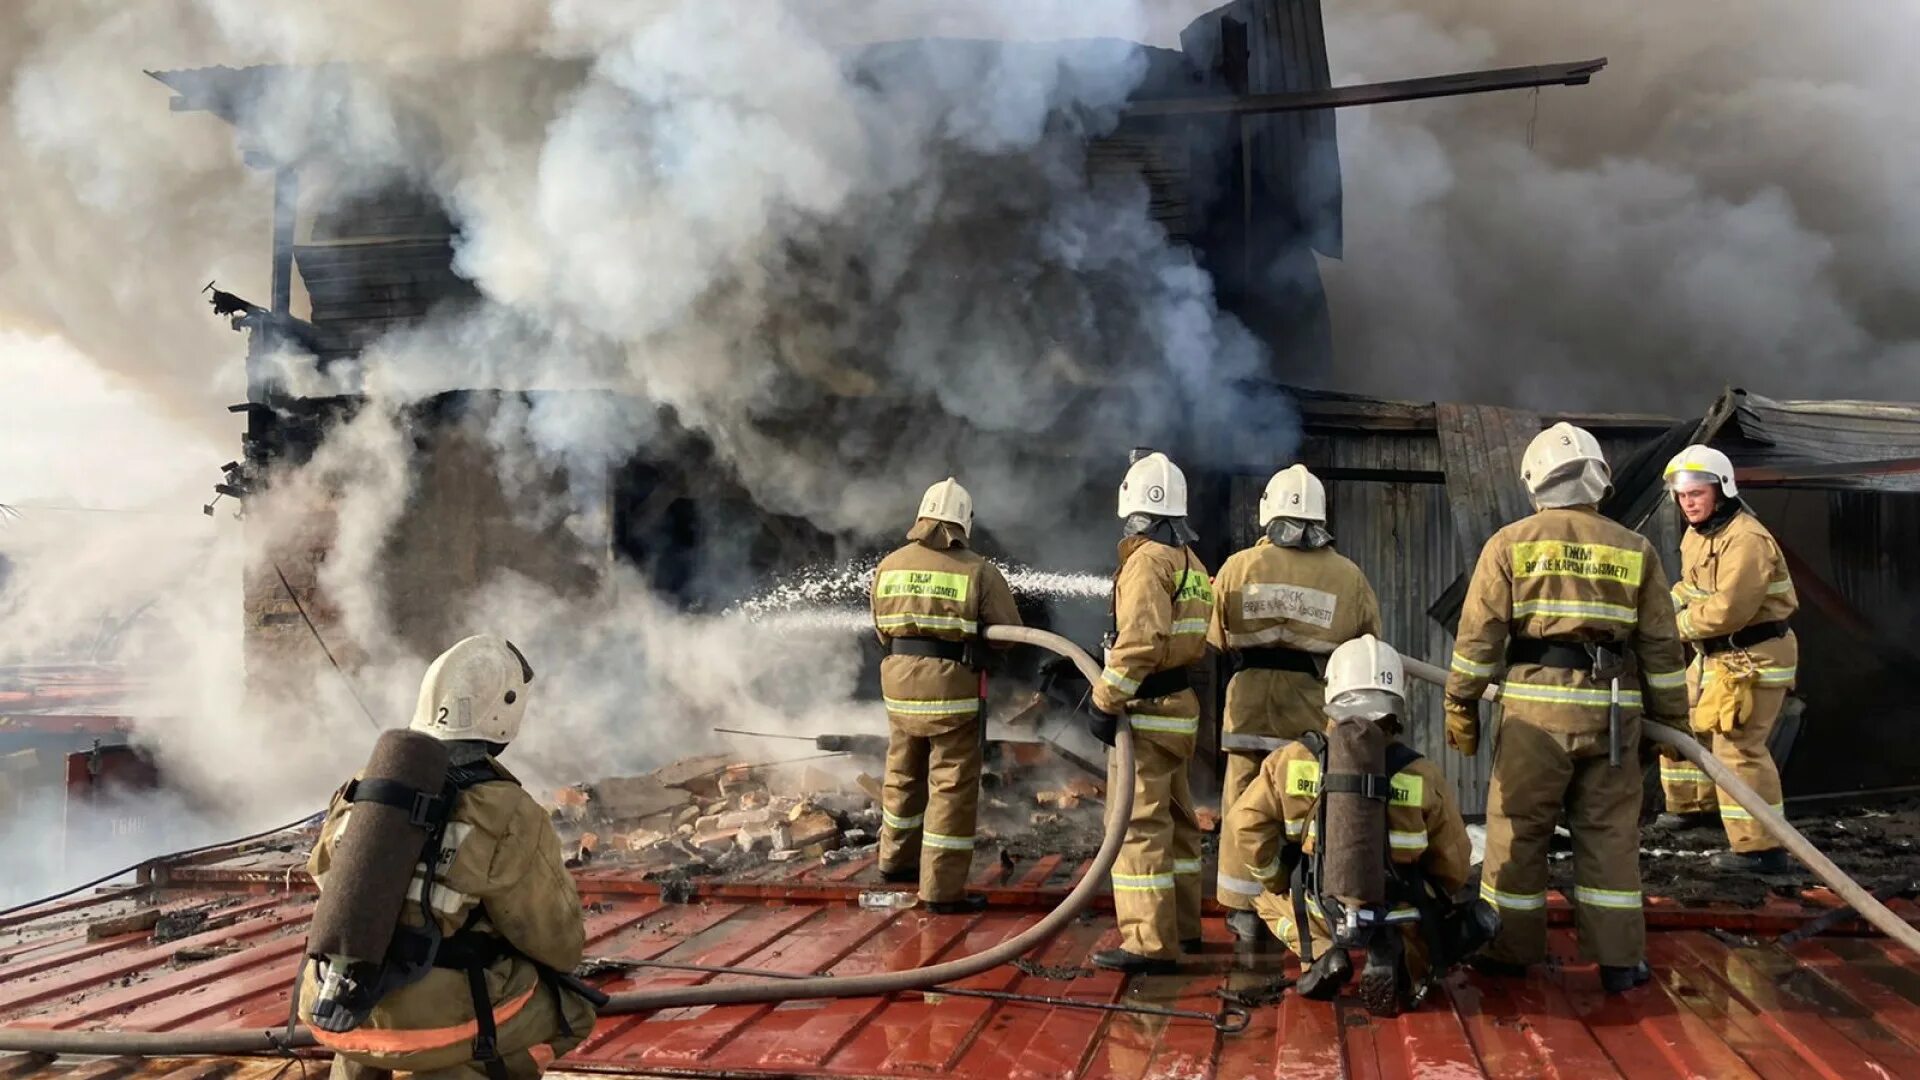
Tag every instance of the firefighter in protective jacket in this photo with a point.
(1275, 825)
(931, 599)
(1734, 598)
(500, 894)
(1162, 601)
(1574, 607)
(1279, 607)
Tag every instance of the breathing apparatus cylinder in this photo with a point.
(1354, 862)
(399, 803)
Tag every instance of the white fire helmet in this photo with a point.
(1293, 493)
(475, 690)
(1365, 663)
(1154, 485)
(948, 501)
(1556, 452)
(1699, 466)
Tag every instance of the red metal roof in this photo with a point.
(1834, 1006)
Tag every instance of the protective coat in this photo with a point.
(1162, 601)
(1266, 596)
(1570, 576)
(501, 856)
(1730, 579)
(934, 587)
(1280, 808)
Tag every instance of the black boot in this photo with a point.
(1193, 945)
(1322, 981)
(1619, 980)
(1247, 927)
(1380, 978)
(966, 905)
(1133, 963)
(902, 876)
(1692, 819)
(1770, 861)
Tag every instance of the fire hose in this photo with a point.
(1770, 819)
(763, 991)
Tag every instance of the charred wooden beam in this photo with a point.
(1340, 97)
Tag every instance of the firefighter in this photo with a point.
(1574, 607)
(1734, 598)
(1279, 606)
(500, 894)
(1275, 825)
(931, 600)
(1162, 600)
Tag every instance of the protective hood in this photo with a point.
(941, 535)
(1298, 533)
(1379, 706)
(1582, 486)
(1171, 531)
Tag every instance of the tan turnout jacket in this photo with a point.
(934, 587)
(1162, 602)
(1731, 579)
(1573, 576)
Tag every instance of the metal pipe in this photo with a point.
(1849, 890)
(1119, 809)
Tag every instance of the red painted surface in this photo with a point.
(1834, 1007)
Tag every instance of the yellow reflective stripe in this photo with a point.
(931, 708)
(1467, 667)
(1303, 778)
(1682, 772)
(1296, 828)
(947, 843)
(1513, 901)
(1780, 588)
(1185, 627)
(1666, 680)
(1684, 623)
(1588, 562)
(1186, 866)
(1579, 609)
(1733, 812)
(1403, 914)
(1766, 676)
(1407, 841)
(1119, 681)
(1142, 882)
(1618, 899)
(932, 584)
(1172, 725)
(922, 621)
(1239, 886)
(1691, 591)
(895, 821)
(1567, 695)
(1267, 872)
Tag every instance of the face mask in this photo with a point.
(1295, 533)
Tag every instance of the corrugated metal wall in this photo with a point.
(1402, 536)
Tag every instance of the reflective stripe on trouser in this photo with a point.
(1685, 785)
(1156, 880)
(1535, 773)
(929, 802)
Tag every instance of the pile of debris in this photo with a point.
(713, 814)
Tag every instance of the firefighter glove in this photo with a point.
(1104, 726)
(1726, 694)
(1463, 726)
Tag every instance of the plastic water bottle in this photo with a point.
(887, 899)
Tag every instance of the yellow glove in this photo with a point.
(1726, 694)
(1463, 726)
